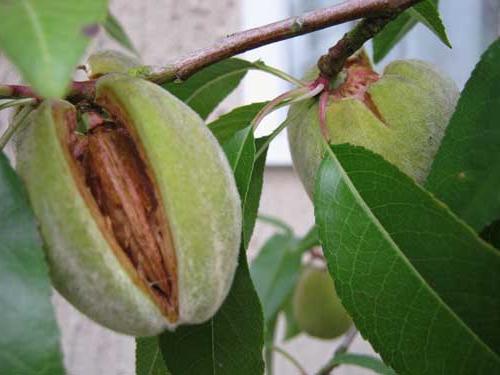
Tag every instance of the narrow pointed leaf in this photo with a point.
(391, 35)
(29, 340)
(419, 283)
(207, 88)
(225, 129)
(115, 30)
(292, 328)
(239, 118)
(275, 271)
(465, 173)
(46, 38)
(276, 268)
(252, 197)
(425, 12)
(240, 150)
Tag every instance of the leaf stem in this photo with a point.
(278, 102)
(290, 358)
(260, 65)
(269, 360)
(14, 125)
(276, 223)
(342, 348)
(289, 97)
(16, 103)
(347, 340)
(309, 240)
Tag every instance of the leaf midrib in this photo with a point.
(212, 82)
(38, 30)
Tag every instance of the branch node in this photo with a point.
(332, 63)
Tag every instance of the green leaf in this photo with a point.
(46, 38)
(252, 197)
(230, 128)
(240, 151)
(149, 360)
(239, 118)
(275, 271)
(276, 223)
(361, 360)
(292, 328)
(207, 88)
(248, 171)
(465, 173)
(115, 30)
(425, 12)
(269, 338)
(391, 35)
(232, 341)
(29, 340)
(491, 234)
(418, 282)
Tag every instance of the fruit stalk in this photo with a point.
(342, 348)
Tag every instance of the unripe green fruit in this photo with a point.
(401, 115)
(141, 216)
(316, 306)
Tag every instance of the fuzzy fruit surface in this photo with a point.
(316, 306)
(140, 213)
(401, 115)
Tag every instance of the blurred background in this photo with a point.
(165, 29)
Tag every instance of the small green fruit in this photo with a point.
(316, 306)
(401, 115)
(140, 216)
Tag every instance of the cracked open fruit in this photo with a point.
(139, 210)
(316, 307)
(401, 115)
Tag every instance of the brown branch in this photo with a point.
(246, 40)
(332, 63)
(250, 39)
